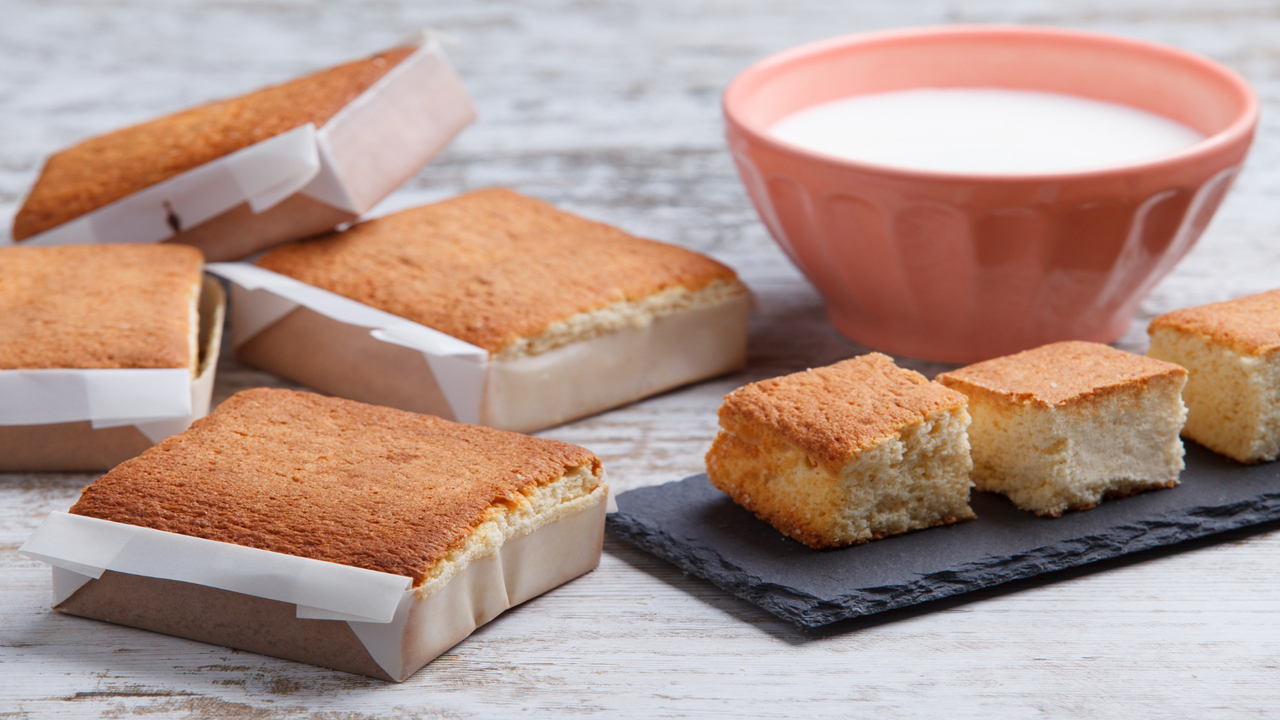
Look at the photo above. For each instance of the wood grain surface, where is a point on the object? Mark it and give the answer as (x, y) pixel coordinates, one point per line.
(611, 109)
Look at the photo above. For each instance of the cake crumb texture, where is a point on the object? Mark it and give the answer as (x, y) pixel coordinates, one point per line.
(98, 306)
(333, 480)
(1233, 391)
(1064, 426)
(845, 454)
(492, 267)
(101, 170)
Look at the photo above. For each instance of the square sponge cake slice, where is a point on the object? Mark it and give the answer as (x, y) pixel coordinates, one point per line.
(349, 483)
(507, 273)
(575, 316)
(847, 453)
(1232, 351)
(103, 169)
(1062, 426)
(99, 306)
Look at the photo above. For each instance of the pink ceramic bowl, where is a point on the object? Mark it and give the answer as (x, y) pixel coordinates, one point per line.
(959, 268)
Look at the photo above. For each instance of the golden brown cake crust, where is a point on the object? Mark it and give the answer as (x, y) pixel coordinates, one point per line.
(1249, 325)
(1060, 373)
(97, 306)
(104, 169)
(329, 479)
(491, 266)
(834, 412)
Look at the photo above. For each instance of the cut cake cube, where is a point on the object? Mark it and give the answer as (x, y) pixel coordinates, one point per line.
(855, 451)
(1232, 351)
(1064, 425)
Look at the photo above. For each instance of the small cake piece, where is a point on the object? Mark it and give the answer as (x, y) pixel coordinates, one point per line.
(1232, 351)
(843, 454)
(1062, 426)
(101, 170)
(506, 272)
(99, 306)
(348, 483)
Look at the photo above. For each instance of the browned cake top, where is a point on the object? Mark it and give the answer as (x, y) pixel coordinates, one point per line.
(97, 306)
(1249, 325)
(104, 169)
(329, 479)
(834, 412)
(1059, 373)
(491, 266)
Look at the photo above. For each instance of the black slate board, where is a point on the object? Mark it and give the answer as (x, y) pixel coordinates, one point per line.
(693, 525)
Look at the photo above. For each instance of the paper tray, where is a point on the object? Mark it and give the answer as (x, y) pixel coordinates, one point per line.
(79, 446)
(404, 630)
(344, 348)
(300, 183)
(696, 527)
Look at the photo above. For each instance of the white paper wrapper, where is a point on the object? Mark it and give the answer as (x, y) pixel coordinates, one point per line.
(298, 183)
(106, 398)
(89, 546)
(67, 407)
(264, 297)
(349, 349)
(394, 629)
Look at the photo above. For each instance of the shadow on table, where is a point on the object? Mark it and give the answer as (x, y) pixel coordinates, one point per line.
(750, 614)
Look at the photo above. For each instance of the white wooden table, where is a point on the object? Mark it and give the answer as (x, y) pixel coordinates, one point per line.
(611, 109)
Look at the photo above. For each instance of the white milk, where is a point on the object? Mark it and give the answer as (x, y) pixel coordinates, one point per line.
(983, 130)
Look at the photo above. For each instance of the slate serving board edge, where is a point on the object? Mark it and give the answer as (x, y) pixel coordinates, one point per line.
(806, 610)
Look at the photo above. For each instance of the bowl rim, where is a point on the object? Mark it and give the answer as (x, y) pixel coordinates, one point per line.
(1237, 130)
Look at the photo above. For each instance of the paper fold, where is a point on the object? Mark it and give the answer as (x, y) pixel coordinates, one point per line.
(159, 401)
(459, 367)
(106, 397)
(400, 628)
(90, 546)
(80, 419)
(360, 155)
(262, 175)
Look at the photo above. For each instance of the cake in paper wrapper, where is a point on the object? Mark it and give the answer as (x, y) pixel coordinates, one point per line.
(237, 175)
(540, 316)
(470, 520)
(1065, 425)
(844, 454)
(1232, 351)
(103, 350)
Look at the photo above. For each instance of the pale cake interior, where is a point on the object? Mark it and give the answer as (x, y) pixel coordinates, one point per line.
(620, 315)
(575, 491)
(914, 480)
(193, 328)
(1233, 398)
(847, 453)
(1052, 458)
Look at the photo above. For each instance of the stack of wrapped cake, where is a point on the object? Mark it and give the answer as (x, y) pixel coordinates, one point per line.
(364, 537)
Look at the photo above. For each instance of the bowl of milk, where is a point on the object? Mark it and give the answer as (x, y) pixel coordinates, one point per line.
(957, 193)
